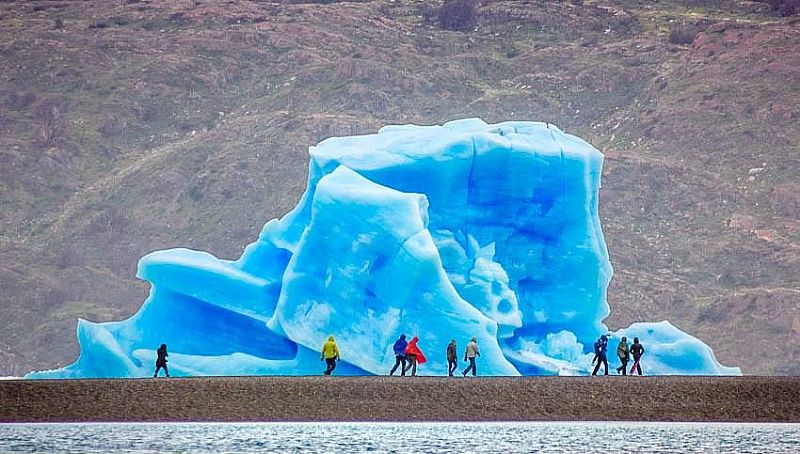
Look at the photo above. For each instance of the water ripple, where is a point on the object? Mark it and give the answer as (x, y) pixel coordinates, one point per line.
(479, 437)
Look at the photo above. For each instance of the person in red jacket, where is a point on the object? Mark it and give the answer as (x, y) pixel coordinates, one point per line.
(414, 355)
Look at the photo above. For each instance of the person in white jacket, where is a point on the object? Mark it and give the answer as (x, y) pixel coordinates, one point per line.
(469, 355)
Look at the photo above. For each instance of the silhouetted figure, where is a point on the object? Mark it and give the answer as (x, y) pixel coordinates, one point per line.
(624, 355)
(161, 360)
(637, 351)
(399, 355)
(330, 353)
(415, 356)
(600, 347)
(452, 357)
(472, 351)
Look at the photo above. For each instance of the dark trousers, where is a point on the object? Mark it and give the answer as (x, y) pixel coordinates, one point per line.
(452, 365)
(331, 365)
(471, 367)
(399, 361)
(624, 367)
(636, 367)
(412, 364)
(159, 367)
(600, 359)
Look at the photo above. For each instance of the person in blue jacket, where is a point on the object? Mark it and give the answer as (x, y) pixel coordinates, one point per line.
(400, 355)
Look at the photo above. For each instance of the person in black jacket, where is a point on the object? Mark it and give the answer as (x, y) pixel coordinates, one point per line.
(161, 361)
(637, 351)
(600, 347)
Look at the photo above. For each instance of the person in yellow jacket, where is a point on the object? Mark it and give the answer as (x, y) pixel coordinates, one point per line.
(330, 353)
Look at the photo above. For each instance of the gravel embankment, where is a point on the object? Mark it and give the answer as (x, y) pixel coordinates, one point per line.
(745, 399)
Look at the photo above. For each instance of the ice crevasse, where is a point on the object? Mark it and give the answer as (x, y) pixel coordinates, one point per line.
(456, 231)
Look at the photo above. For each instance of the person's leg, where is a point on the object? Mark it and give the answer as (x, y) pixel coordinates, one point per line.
(333, 364)
(605, 364)
(166, 371)
(639, 368)
(414, 366)
(624, 367)
(410, 361)
(155, 374)
(473, 366)
(596, 367)
(403, 360)
(396, 363)
(635, 366)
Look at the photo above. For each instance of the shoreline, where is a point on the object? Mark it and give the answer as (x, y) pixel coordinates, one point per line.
(412, 399)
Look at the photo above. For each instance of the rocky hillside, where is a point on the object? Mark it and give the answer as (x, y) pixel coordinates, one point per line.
(136, 125)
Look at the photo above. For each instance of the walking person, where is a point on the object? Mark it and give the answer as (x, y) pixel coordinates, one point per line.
(414, 356)
(161, 360)
(452, 357)
(330, 353)
(637, 351)
(470, 354)
(600, 348)
(399, 355)
(624, 355)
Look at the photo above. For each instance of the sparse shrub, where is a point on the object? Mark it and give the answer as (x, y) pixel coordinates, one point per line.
(99, 24)
(113, 126)
(590, 40)
(784, 7)
(54, 297)
(58, 23)
(428, 13)
(67, 257)
(195, 193)
(51, 113)
(180, 19)
(682, 35)
(118, 21)
(510, 49)
(19, 102)
(458, 15)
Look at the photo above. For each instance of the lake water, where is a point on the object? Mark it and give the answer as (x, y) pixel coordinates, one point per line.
(495, 437)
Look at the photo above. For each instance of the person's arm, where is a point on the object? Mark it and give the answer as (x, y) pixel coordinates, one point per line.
(477, 350)
(336, 352)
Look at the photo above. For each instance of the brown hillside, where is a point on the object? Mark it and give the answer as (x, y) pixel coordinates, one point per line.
(129, 126)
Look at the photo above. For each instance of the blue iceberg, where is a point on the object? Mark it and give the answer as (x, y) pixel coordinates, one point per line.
(462, 230)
